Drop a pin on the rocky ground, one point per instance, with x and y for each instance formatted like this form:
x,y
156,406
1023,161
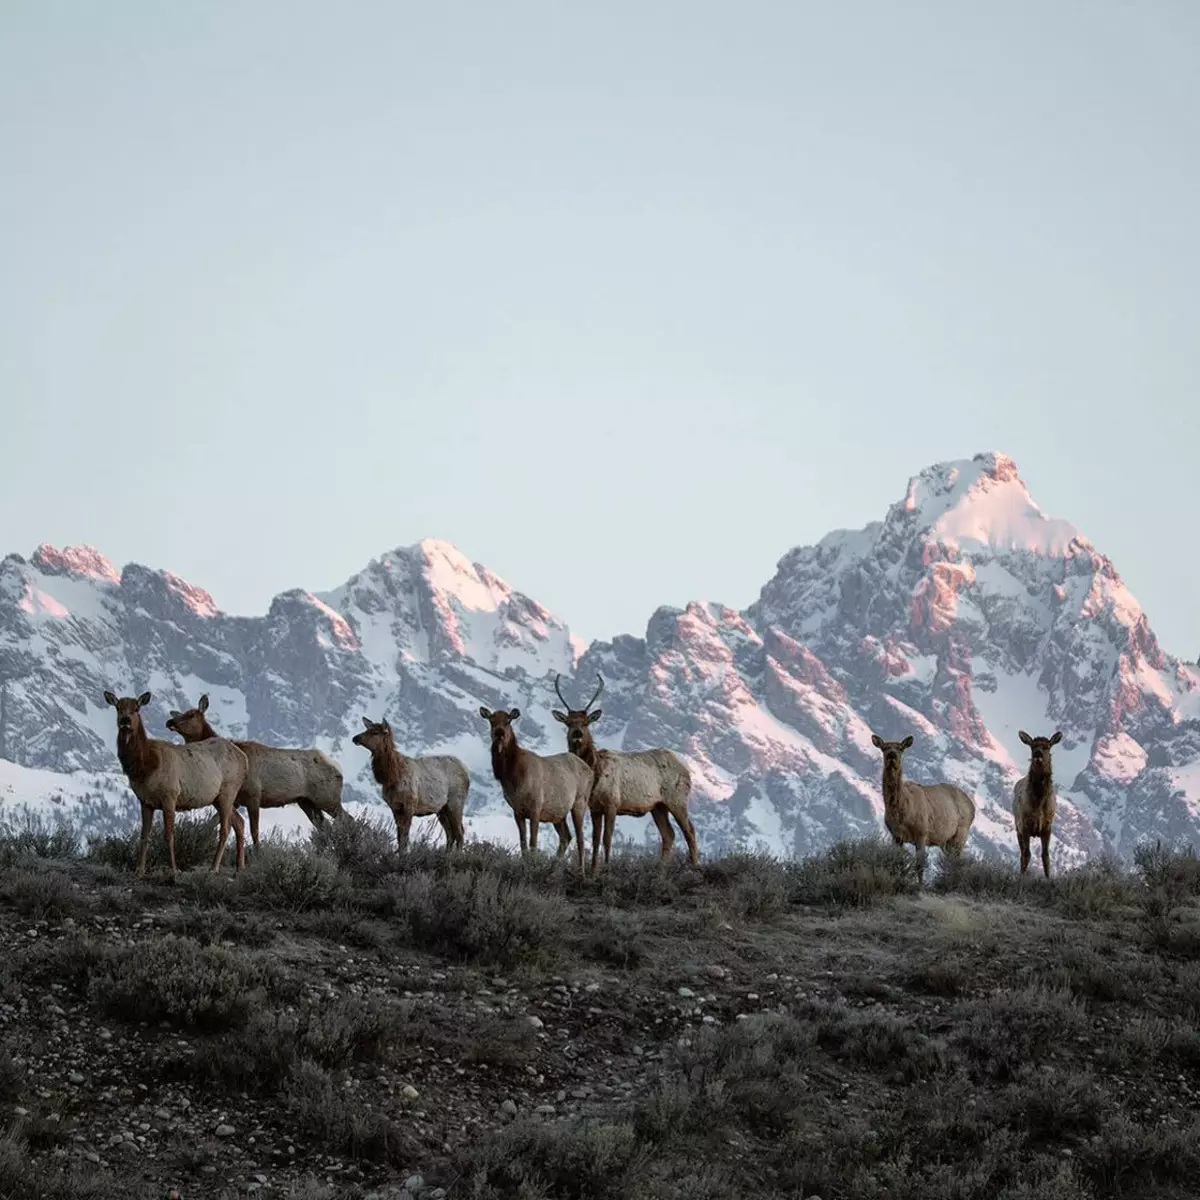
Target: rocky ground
x,y
336,1022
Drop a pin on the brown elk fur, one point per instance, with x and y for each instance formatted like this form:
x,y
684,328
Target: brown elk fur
x,y
433,785
922,814
539,787
176,778
277,776
1034,804
629,783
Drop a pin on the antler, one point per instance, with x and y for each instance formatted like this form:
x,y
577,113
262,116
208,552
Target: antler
x,y
561,697
596,697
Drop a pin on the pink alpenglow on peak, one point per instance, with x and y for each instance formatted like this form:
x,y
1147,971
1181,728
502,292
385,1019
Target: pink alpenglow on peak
x,y
984,502
85,561
196,598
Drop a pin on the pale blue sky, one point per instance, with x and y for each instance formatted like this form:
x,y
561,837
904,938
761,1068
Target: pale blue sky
x,y
625,299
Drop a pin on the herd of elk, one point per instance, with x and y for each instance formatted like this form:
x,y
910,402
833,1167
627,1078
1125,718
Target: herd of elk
x,y
556,789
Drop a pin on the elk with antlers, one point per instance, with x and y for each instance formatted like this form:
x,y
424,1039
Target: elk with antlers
x,y
629,783
174,778
1034,804
539,787
435,785
921,814
276,776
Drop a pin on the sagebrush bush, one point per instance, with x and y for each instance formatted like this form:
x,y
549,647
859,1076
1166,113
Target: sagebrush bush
x,y
30,835
292,877
613,937
855,873
343,1124
1009,1030
177,980
40,893
568,1160
195,844
473,916
994,879
363,848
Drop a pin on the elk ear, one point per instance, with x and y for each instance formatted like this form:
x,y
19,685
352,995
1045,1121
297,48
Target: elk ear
x,y
904,745
484,713
595,716
1024,737
143,699
514,714
876,741
203,705
1056,738
559,717
367,721
109,698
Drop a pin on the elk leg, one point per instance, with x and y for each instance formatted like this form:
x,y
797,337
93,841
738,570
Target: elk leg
x,y
689,833
239,834
457,820
610,823
1046,853
443,819
564,837
253,811
662,819
403,824
920,855
1023,842
169,834
577,818
224,806
533,832
521,833
597,830
144,845
314,814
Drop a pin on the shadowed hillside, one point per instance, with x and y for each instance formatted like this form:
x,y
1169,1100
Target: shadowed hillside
x,y
341,1022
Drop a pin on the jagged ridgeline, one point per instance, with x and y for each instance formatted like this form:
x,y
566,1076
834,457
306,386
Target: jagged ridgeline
x,y
964,615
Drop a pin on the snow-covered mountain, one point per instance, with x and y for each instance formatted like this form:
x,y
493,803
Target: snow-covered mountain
x,y
963,615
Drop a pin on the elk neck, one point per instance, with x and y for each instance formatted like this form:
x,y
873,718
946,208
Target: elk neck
x,y
506,760
137,755
387,764
893,783
1041,781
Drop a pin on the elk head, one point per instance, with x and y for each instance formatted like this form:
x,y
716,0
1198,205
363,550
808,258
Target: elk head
x,y
891,751
503,734
578,720
1039,750
129,718
376,736
192,724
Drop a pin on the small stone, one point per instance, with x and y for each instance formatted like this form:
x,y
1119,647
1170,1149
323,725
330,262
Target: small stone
x,y
409,1092
509,1108
414,1183
537,1022
75,1078
686,993
225,1131
545,1110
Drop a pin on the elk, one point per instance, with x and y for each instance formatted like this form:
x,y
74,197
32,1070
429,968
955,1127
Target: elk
x,y
629,784
174,778
539,787
276,776
435,785
922,814
1033,799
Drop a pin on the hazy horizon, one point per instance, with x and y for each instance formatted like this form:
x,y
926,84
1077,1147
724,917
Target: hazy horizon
x,y
623,303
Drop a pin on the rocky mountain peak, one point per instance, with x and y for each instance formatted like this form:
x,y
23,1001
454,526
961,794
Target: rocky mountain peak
x,y
963,615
